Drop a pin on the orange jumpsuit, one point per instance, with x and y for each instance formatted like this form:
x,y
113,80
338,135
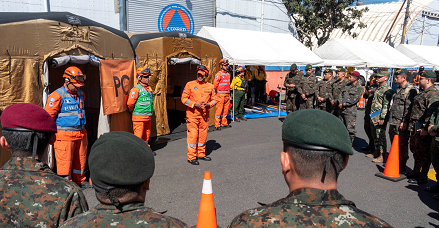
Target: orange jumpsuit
x,y
141,124
70,146
197,120
222,89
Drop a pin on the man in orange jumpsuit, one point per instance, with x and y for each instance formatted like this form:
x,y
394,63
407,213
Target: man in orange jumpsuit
x,y
66,106
141,105
198,96
222,89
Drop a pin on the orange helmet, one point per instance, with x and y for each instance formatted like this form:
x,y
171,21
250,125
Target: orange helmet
x,y
224,62
75,76
142,72
201,69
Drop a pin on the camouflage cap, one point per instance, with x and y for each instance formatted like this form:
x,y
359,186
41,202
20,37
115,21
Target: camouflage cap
x,y
293,67
316,130
307,67
327,71
403,71
120,158
428,74
382,74
341,69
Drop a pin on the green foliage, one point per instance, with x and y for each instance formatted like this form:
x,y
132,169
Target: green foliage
x,y
318,18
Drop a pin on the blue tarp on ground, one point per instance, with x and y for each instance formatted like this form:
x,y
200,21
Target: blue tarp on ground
x,y
271,112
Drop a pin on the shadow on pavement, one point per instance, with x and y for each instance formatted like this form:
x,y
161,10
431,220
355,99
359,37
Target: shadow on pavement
x,y
427,198
211,145
358,143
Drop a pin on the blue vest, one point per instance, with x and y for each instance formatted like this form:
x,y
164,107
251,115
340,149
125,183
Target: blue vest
x,y
70,116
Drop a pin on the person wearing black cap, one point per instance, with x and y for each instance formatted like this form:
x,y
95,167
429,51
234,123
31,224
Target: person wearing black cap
x,y
337,87
31,195
324,91
291,83
424,104
121,167
307,88
316,148
347,101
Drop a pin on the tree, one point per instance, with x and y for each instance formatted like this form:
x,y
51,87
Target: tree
x,y
318,18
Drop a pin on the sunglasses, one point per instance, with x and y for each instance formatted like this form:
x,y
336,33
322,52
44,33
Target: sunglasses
x,y
80,77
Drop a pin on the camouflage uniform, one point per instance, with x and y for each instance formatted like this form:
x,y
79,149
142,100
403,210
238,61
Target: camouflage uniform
x,y
380,102
307,87
337,87
424,105
349,98
31,195
308,208
292,96
324,90
400,113
367,122
128,215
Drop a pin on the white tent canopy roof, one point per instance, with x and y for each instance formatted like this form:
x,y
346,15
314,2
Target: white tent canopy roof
x,y
426,56
343,52
244,47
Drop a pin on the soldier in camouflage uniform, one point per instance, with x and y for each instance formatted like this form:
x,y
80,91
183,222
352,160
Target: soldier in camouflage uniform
x,y
307,89
380,107
400,115
31,195
324,91
316,148
337,87
368,94
292,81
424,104
121,167
347,101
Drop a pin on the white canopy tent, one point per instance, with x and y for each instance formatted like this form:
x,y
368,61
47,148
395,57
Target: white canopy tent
x,y
358,53
426,56
244,47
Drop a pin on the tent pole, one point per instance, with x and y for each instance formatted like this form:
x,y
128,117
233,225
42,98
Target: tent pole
x,y
280,92
233,93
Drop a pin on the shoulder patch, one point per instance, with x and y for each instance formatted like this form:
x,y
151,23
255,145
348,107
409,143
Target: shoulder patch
x,y
52,99
195,88
51,103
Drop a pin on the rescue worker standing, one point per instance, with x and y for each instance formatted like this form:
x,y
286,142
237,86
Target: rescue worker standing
x,y
239,94
378,113
222,89
198,96
400,115
291,83
307,89
141,104
347,101
261,80
66,106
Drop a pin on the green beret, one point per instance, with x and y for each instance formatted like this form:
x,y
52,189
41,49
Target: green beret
x,y
316,130
340,70
404,71
382,74
120,158
293,67
308,67
428,74
327,71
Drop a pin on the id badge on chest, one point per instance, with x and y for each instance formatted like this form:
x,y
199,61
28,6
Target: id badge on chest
x,y
80,115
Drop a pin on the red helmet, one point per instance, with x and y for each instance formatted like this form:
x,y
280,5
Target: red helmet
x,y
203,70
224,62
75,76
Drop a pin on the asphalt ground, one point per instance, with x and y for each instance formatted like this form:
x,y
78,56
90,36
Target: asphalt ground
x,y
245,170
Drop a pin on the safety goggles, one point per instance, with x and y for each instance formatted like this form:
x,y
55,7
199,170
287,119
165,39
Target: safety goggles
x,y
80,77
201,67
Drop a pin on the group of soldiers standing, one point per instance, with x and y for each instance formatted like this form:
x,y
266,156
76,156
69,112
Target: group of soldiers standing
x,y
337,95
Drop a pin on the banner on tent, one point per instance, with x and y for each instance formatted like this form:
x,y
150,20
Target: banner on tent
x,y
117,78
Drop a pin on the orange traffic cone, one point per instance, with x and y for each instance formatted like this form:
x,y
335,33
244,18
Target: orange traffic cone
x,y
391,171
207,213
360,104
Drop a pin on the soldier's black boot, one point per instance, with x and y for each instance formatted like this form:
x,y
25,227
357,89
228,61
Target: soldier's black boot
x,y
416,170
